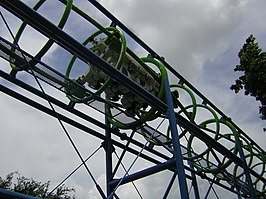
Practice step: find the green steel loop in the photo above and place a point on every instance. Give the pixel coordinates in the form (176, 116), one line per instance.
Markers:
(254, 153)
(249, 147)
(264, 189)
(227, 136)
(163, 74)
(191, 117)
(193, 99)
(237, 175)
(262, 162)
(254, 167)
(225, 163)
(50, 42)
(118, 64)
(201, 125)
(145, 115)
(145, 66)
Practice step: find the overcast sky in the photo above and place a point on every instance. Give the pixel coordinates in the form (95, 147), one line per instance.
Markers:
(200, 39)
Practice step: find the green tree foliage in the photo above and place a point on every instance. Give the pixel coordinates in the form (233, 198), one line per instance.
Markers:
(253, 81)
(31, 187)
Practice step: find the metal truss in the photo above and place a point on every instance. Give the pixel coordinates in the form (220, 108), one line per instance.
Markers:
(168, 131)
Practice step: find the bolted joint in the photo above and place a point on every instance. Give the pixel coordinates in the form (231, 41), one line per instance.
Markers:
(108, 146)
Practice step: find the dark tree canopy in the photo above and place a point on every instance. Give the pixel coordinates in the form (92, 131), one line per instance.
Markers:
(253, 81)
(31, 187)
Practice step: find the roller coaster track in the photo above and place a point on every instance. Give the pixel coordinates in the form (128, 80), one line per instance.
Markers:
(133, 94)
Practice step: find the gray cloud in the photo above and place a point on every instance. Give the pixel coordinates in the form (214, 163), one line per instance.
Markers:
(186, 33)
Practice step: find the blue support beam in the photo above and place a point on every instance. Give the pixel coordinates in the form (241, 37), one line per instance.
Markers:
(108, 158)
(7, 194)
(246, 170)
(169, 164)
(180, 169)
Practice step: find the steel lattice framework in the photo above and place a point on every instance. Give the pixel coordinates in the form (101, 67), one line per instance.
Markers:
(182, 131)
